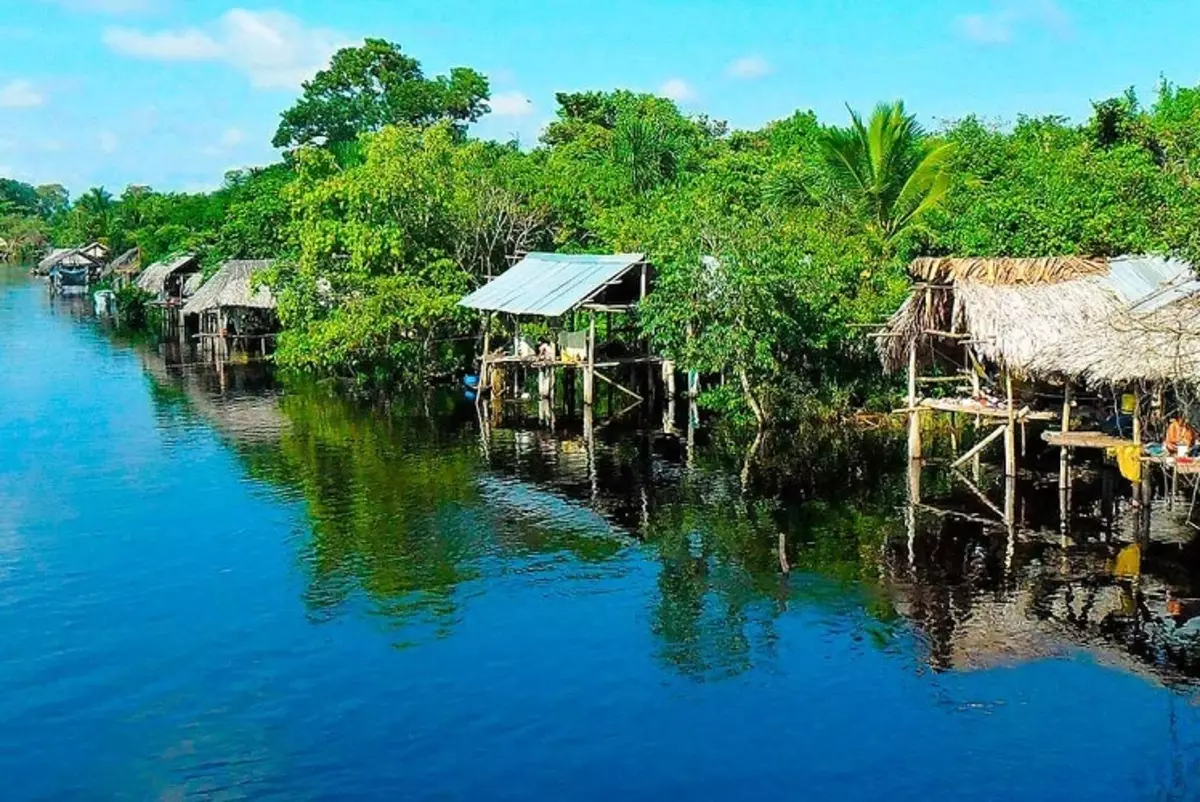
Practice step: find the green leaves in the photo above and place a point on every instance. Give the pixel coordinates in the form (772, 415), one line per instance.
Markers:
(365, 88)
(886, 169)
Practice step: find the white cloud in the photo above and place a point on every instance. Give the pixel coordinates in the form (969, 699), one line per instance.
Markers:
(275, 50)
(1000, 25)
(748, 68)
(185, 45)
(229, 139)
(511, 104)
(678, 90)
(108, 142)
(20, 94)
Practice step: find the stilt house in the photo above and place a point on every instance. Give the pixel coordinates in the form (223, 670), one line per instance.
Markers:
(558, 290)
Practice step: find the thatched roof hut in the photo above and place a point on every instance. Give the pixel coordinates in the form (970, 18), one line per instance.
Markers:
(163, 279)
(127, 264)
(1093, 320)
(233, 286)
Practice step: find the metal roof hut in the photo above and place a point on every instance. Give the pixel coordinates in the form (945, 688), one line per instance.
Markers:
(165, 280)
(555, 288)
(1058, 320)
(233, 310)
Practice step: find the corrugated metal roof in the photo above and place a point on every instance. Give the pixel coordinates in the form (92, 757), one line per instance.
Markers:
(1147, 283)
(549, 284)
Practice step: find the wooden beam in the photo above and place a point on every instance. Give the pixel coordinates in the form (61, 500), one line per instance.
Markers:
(979, 494)
(980, 446)
(620, 387)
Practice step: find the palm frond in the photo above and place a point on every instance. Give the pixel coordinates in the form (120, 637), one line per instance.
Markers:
(927, 184)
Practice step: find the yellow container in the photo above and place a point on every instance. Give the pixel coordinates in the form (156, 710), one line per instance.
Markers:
(1128, 402)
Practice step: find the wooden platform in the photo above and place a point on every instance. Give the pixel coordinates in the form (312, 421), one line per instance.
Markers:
(1084, 440)
(970, 407)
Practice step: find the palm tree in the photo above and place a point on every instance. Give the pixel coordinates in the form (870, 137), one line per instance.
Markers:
(887, 168)
(647, 150)
(96, 201)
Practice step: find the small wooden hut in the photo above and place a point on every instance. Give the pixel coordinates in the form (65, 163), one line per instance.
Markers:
(166, 280)
(124, 269)
(557, 289)
(975, 326)
(232, 311)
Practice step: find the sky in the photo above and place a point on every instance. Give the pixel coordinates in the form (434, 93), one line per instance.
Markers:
(173, 93)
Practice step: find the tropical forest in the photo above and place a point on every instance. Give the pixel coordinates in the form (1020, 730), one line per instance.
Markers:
(384, 210)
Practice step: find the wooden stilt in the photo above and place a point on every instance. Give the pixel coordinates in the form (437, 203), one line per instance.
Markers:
(914, 417)
(1064, 457)
(589, 375)
(1010, 445)
(484, 368)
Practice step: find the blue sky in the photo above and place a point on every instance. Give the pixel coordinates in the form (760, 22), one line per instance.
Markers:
(172, 93)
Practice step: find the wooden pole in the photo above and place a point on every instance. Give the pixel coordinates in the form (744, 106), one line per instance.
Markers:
(1137, 417)
(914, 417)
(1010, 444)
(484, 369)
(589, 375)
(1064, 457)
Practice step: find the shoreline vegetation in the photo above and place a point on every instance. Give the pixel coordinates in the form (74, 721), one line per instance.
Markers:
(383, 212)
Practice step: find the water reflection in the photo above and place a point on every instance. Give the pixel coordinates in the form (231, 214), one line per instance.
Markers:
(411, 508)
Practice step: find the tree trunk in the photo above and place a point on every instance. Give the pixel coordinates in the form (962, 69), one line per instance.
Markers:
(755, 407)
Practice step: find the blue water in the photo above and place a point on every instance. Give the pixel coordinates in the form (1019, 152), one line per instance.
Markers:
(238, 592)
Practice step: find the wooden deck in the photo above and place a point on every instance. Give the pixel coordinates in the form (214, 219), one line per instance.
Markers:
(970, 407)
(1084, 440)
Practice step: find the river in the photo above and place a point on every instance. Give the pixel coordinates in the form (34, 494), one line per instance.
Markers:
(215, 587)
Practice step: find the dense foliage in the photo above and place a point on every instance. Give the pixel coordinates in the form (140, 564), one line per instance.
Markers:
(773, 248)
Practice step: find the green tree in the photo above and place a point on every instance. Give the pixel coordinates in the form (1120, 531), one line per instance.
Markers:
(886, 169)
(365, 88)
(53, 201)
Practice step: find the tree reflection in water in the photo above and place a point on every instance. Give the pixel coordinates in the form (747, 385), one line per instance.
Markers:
(408, 509)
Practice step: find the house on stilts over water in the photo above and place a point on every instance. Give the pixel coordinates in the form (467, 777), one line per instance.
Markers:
(1101, 351)
(73, 267)
(232, 312)
(586, 303)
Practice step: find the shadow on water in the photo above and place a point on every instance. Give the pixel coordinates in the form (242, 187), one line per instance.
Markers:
(410, 510)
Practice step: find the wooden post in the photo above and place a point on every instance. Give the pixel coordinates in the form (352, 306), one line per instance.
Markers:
(914, 417)
(1010, 444)
(1064, 456)
(1137, 417)
(484, 377)
(589, 374)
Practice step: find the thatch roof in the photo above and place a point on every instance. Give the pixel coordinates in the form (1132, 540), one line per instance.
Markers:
(127, 262)
(193, 283)
(1002, 270)
(154, 278)
(232, 286)
(1093, 320)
